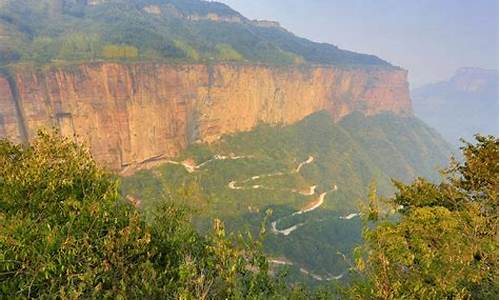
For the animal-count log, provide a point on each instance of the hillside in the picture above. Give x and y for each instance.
(65, 232)
(313, 175)
(462, 106)
(45, 31)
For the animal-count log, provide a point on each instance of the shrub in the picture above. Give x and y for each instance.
(65, 233)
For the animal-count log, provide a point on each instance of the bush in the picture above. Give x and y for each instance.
(445, 243)
(227, 53)
(80, 46)
(119, 52)
(65, 233)
(42, 50)
(189, 52)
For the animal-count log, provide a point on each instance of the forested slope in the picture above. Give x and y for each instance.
(288, 169)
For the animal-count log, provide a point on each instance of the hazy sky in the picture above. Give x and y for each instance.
(430, 38)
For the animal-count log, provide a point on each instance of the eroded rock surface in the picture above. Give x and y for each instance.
(132, 113)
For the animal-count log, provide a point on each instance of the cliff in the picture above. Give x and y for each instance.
(131, 114)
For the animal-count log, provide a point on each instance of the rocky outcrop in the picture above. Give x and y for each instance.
(10, 120)
(152, 9)
(266, 24)
(215, 18)
(134, 113)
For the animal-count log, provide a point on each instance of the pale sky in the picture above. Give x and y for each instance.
(430, 38)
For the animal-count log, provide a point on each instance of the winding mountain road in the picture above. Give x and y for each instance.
(285, 262)
(235, 185)
(308, 208)
(191, 166)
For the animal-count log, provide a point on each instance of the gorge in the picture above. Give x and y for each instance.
(190, 110)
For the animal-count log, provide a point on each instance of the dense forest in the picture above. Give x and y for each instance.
(45, 32)
(67, 233)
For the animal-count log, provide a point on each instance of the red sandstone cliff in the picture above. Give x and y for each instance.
(131, 113)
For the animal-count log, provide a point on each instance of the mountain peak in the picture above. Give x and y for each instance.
(461, 106)
(473, 79)
(475, 71)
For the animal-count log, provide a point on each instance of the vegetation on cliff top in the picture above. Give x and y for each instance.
(51, 31)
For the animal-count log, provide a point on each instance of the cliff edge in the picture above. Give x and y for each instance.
(133, 113)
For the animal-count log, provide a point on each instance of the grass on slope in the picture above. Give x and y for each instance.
(349, 155)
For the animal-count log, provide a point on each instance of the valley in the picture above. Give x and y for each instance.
(231, 117)
(312, 187)
(176, 149)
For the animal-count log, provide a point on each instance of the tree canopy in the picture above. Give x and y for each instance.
(66, 233)
(444, 243)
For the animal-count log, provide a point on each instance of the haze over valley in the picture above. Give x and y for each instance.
(177, 149)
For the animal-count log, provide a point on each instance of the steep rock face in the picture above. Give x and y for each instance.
(129, 114)
(10, 121)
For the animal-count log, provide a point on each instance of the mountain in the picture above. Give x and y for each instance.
(44, 31)
(464, 105)
(141, 80)
(188, 99)
(314, 175)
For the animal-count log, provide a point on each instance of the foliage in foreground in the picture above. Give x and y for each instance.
(445, 244)
(65, 233)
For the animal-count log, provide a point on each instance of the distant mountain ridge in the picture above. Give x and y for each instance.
(462, 106)
(44, 31)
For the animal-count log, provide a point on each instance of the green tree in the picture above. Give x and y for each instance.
(120, 52)
(444, 244)
(41, 50)
(66, 233)
(80, 46)
(130, 52)
(227, 53)
(188, 51)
